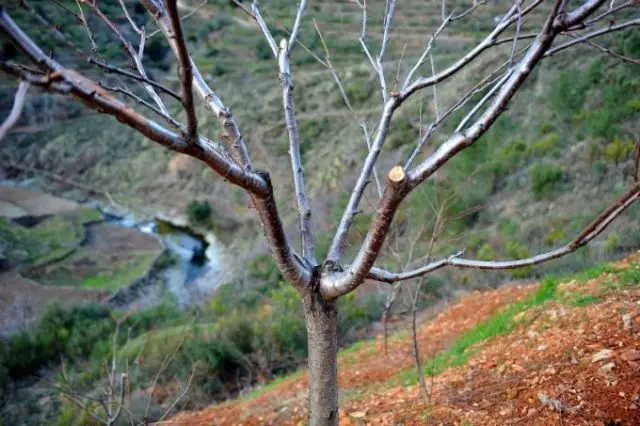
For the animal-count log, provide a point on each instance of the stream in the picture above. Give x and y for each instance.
(198, 267)
(198, 263)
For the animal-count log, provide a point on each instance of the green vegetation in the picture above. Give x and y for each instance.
(593, 272)
(75, 333)
(119, 275)
(583, 300)
(239, 332)
(619, 150)
(88, 215)
(546, 145)
(199, 213)
(259, 325)
(501, 323)
(50, 240)
(486, 252)
(90, 269)
(544, 178)
(504, 321)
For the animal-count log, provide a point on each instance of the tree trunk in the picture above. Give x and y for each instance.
(322, 320)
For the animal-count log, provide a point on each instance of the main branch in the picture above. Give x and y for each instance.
(304, 212)
(184, 69)
(336, 282)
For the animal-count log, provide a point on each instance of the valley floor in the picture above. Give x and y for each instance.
(564, 353)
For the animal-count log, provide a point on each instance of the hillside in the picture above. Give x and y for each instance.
(557, 157)
(560, 352)
(497, 346)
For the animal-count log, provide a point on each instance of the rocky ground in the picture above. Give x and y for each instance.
(557, 353)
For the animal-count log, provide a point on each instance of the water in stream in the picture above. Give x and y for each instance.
(198, 267)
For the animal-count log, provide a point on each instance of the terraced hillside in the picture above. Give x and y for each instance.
(55, 250)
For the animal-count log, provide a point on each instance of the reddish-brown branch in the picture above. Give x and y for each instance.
(184, 69)
(85, 90)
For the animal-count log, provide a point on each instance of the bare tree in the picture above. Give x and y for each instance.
(321, 282)
(115, 400)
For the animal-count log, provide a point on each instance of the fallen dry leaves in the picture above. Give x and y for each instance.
(563, 365)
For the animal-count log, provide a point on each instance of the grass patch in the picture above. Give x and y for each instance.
(88, 215)
(592, 272)
(124, 274)
(626, 278)
(352, 354)
(503, 322)
(583, 300)
(498, 325)
(50, 240)
(96, 271)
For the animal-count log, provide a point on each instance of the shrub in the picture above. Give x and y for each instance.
(545, 127)
(508, 158)
(618, 150)
(199, 213)
(516, 250)
(631, 44)
(508, 228)
(568, 94)
(263, 268)
(612, 107)
(60, 333)
(544, 177)
(78, 332)
(401, 133)
(156, 50)
(486, 252)
(555, 236)
(354, 314)
(545, 145)
(611, 243)
(358, 91)
(595, 72)
(263, 50)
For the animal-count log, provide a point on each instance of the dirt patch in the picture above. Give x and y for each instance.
(22, 300)
(572, 361)
(285, 404)
(19, 202)
(111, 257)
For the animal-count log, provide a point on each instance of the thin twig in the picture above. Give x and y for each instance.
(304, 211)
(356, 117)
(112, 69)
(296, 25)
(144, 103)
(595, 228)
(94, 46)
(181, 396)
(584, 37)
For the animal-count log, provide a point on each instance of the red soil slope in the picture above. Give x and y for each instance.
(564, 364)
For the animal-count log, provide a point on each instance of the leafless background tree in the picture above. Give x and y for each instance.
(114, 404)
(321, 281)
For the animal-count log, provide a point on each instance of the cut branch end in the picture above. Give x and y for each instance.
(397, 175)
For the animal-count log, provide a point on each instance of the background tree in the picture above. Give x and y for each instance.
(320, 282)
